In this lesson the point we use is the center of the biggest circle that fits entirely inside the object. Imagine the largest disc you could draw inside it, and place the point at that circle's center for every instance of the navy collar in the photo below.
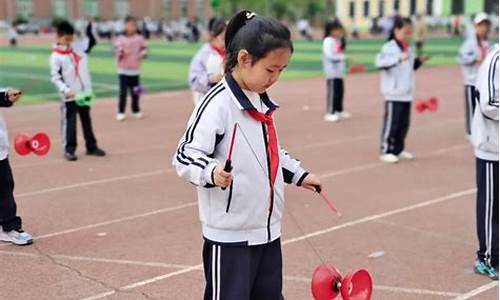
(243, 99)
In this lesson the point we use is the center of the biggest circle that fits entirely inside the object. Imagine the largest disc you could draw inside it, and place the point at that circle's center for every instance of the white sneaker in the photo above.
(137, 115)
(332, 117)
(406, 155)
(17, 237)
(120, 117)
(345, 115)
(389, 158)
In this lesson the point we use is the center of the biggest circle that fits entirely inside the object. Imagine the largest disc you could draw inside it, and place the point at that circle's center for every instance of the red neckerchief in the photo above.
(405, 45)
(272, 145)
(69, 51)
(222, 52)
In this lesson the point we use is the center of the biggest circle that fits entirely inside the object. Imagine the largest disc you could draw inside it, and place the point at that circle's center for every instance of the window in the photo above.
(396, 5)
(91, 8)
(381, 8)
(491, 6)
(200, 9)
(429, 9)
(59, 8)
(457, 7)
(167, 8)
(413, 7)
(184, 8)
(366, 8)
(25, 8)
(352, 9)
(121, 8)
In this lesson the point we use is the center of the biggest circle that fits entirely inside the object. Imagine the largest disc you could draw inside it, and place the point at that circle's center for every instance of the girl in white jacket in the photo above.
(242, 223)
(397, 64)
(334, 64)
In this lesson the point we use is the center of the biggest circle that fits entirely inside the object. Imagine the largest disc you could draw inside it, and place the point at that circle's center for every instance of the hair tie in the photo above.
(250, 15)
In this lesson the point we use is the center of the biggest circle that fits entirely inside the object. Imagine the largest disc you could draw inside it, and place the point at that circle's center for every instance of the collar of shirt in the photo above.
(241, 98)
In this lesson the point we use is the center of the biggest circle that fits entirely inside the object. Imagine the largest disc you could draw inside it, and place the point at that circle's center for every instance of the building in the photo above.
(361, 12)
(106, 9)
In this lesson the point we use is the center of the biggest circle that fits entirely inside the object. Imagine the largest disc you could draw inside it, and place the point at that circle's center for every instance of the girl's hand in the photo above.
(13, 95)
(311, 182)
(423, 58)
(404, 56)
(221, 177)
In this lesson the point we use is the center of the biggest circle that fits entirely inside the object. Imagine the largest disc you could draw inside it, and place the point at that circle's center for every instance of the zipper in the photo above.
(271, 197)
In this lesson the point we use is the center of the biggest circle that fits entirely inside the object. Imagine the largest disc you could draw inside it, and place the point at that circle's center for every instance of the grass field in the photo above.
(26, 67)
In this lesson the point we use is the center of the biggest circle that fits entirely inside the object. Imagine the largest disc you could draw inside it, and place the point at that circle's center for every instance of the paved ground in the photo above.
(125, 227)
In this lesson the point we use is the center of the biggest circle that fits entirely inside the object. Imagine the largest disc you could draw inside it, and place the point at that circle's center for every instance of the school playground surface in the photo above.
(166, 68)
(126, 227)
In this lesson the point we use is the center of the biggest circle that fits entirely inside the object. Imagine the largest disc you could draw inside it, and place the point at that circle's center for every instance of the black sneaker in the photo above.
(70, 156)
(96, 152)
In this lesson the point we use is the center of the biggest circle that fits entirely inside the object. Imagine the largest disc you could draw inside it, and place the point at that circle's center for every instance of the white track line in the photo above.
(168, 209)
(133, 217)
(97, 260)
(198, 268)
(388, 288)
(381, 215)
(94, 182)
(145, 282)
(306, 236)
(477, 291)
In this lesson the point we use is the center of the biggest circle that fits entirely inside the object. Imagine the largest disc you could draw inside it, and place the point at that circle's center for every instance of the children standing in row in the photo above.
(334, 64)
(397, 64)
(10, 222)
(471, 55)
(242, 224)
(130, 50)
(485, 141)
(70, 74)
(201, 77)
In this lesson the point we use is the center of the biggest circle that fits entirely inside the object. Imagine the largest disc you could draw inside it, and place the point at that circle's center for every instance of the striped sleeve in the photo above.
(487, 87)
(292, 171)
(386, 58)
(193, 159)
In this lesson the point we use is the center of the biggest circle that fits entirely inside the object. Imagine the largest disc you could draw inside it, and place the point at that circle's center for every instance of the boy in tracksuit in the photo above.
(69, 73)
(11, 224)
(485, 140)
(397, 64)
(470, 56)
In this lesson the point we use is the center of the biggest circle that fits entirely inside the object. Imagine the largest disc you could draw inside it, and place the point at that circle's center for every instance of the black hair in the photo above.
(130, 19)
(216, 26)
(64, 28)
(399, 22)
(332, 25)
(256, 34)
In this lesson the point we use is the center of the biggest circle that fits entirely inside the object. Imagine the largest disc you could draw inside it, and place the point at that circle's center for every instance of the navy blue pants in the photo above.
(396, 125)
(242, 272)
(487, 211)
(8, 208)
(334, 95)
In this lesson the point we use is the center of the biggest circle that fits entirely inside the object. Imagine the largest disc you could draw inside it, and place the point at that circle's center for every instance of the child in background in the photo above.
(12, 231)
(485, 141)
(471, 55)
(130, 50)
(200, 79)
(334, 64)
(397, 64)
(70, 74)
(242, 224)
